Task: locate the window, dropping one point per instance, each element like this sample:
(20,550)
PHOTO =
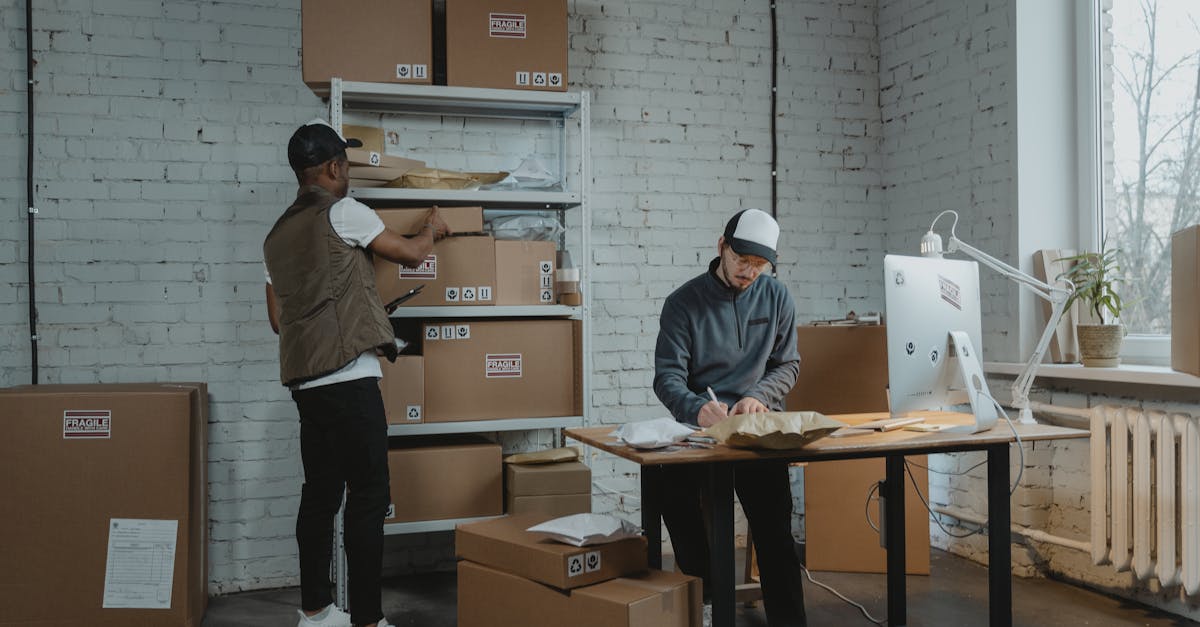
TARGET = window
(1149,92)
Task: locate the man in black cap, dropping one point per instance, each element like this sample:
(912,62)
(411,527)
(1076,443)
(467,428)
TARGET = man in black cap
(727,345)
(322,302)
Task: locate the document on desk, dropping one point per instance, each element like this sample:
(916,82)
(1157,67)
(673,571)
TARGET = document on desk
(140,568)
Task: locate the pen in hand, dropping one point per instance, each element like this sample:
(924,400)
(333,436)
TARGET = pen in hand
(713,395)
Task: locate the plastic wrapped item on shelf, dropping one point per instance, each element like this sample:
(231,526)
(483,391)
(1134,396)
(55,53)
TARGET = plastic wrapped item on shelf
(526,227)
(531,174)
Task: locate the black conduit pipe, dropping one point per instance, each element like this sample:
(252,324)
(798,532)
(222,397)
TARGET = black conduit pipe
(774,146)
(31,212)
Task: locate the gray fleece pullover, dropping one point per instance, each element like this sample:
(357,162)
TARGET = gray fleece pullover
(741,344)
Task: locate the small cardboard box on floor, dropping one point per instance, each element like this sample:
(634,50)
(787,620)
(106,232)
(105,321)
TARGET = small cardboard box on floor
(403,389)
(445,477)
(515,44)
(378,41)
(98,481)
(1185,300)
(488,597)
(551,489)
(488,370)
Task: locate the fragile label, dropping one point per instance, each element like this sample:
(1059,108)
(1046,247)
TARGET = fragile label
(502,366)
(453,295)
(462,332)
(507,25)
(87,424)
(950,292)
(555,79)
(426,270)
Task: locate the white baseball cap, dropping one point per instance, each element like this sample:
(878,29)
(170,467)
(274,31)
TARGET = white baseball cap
(753,232)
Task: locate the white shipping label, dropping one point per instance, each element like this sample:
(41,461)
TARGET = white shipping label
(555,79)
(462,331)
(522,79)
(403,71)
(591,561)
(413,414)
(426,270)
(546,267)
(420,71)
(452,295)
(539,79)
(468,294)
(87,424)
(432,333)
(574,565)
(507,25)
(502,366)
(140,568)
(447,332)
(484,293)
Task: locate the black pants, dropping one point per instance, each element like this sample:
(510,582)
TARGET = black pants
(765,493)
(343,443)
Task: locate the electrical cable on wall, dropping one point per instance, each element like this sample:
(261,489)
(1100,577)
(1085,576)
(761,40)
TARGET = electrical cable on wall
(774,102)
(31,213)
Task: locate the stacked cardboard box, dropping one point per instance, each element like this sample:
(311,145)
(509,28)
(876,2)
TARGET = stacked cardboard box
(460,270)
(551,489)
(101,480)
(509,576)
(380,41)
(1185,300)
(516,44)
(444,478)
(524,272)
(403,388)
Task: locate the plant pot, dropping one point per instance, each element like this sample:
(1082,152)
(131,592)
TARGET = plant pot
(1100,344)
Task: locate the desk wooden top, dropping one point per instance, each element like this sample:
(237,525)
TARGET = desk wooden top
(874,444)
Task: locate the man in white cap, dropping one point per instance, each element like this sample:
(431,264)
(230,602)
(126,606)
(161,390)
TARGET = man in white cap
(733,330)
(322,302)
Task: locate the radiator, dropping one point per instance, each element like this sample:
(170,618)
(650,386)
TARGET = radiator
(1146,494)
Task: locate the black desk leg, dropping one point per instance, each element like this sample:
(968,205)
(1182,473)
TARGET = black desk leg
(652,514)
(999,549)
(720,502)
(893,492)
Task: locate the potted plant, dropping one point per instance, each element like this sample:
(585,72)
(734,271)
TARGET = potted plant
(1095,276)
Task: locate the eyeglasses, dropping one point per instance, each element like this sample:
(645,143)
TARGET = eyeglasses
(749,261)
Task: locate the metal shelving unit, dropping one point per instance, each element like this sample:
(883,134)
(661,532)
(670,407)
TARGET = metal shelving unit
(560,109)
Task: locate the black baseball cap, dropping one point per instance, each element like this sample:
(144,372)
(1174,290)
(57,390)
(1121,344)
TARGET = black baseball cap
(753,232)
(315,143)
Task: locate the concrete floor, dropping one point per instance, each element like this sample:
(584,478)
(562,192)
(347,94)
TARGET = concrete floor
(955,594)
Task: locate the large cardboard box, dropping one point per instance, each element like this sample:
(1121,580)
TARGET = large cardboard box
(460,271)
(524,272)
(78,462)
(488,597)
(1185,300)
(504,543)
(441,478)
(515,44)
(844,370)
(488,370)
(553,505)
(536,479)
(380,41)
(403,389)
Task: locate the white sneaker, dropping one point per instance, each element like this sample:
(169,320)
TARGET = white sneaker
(383,622)
(333,617)
(707,615)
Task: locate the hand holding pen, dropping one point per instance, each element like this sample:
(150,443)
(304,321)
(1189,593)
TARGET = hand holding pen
(712,412)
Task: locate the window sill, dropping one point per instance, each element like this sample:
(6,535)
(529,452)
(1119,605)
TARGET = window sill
(1131,373)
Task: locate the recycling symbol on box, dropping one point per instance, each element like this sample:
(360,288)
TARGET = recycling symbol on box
(574,565)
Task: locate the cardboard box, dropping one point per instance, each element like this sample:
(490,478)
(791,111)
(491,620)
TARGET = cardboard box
(843,370)
(441,478)
(460,271)
(488,597)
(516,44)
(69,457)
(376,161)
(461,220)
(504,543)
(380,41)
(370,136)
(1185,300)
(403,389)
(524,272)
(552,505)
(539,479)
(487,370)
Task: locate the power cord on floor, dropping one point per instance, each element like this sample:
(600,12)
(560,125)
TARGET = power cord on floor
(839,595)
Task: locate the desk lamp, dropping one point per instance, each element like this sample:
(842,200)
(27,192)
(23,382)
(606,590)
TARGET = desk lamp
(931,246)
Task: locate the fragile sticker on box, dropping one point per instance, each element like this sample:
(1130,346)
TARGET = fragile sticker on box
(87,424)
(502,366)
(426,270)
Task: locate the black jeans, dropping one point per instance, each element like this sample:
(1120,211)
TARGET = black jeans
(766,496)
(343,443)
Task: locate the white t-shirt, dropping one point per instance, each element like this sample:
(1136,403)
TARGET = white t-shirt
(357,225)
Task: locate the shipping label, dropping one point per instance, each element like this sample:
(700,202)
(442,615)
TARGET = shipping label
(426,270)
(502,366)
(87,424)
(507,25)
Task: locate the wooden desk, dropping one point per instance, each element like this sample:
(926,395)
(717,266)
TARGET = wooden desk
(892,446)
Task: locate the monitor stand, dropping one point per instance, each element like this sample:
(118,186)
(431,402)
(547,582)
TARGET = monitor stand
(976,385)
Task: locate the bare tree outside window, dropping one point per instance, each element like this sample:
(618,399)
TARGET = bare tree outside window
(1151,83)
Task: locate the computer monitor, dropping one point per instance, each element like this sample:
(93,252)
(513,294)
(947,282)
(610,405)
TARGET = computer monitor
(933,338)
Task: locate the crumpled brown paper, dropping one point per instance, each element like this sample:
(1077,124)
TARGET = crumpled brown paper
(777,430)
(549,456)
